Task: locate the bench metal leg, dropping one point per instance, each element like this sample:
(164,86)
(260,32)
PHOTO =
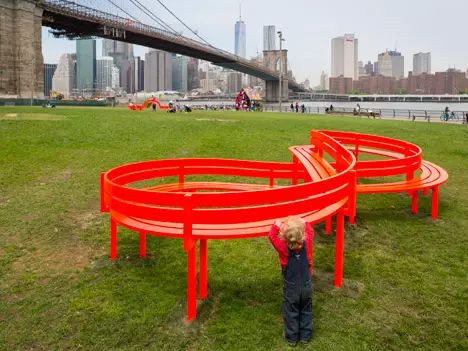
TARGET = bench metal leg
(192,282)
(426,191)
(435,202)
(203,268)
(339,250)
(113,239)
(142,245)
(414,202)
(328,225)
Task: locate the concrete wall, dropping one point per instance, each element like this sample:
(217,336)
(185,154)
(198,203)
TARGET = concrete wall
(21,61)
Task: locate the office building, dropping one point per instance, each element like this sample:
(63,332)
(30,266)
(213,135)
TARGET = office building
(376,68)
(63,80)
(361,69)
(127,76)
(239,38)
(111,47)
(344,54)
(104,67)
(139,74)
(86,66)
(208,84)
(193,76)
(269,38)
(158,71)
(324,83)
(49,70)
(234,82)
(421,63)
(369,69)
(180,73)
(391,64)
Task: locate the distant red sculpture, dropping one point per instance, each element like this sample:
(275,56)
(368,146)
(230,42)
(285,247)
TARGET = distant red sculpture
(148,102)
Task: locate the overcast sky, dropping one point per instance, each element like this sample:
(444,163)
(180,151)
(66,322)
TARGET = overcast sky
(412,26)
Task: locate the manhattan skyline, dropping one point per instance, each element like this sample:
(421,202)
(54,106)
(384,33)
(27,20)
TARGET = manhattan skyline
(310,27)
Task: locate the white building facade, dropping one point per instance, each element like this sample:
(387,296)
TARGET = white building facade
(421,63)
(344,54)
(64,79)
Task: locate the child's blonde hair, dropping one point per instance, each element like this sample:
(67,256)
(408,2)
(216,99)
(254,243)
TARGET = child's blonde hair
(292,231)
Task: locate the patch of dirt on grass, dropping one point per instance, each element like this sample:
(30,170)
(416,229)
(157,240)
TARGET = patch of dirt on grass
(67,259)
(323,282)
(86,219)
(31,117)
(63,175)
(184,151)
(217,120)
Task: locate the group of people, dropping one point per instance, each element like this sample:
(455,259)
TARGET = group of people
(303,108)
(173,108)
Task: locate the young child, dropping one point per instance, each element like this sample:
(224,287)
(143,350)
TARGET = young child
(293,241)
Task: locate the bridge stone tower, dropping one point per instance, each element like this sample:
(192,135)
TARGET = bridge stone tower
(21,61)
(271,60)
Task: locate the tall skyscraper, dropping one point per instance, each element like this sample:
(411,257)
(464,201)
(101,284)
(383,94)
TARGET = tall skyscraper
(179,73)
(421,63)
(193,76)
(64,77)
(345,57)
(158,71)
(86,66)
(269,38)
(104,67)
(110,47)
(239,38)
(128,76)
(234,82)
(139,74)
(391,64)
(49,70)
(369,69)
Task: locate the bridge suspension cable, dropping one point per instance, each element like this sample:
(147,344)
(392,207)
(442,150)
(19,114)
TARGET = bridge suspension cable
(121,9)
(155,18)
(186,26)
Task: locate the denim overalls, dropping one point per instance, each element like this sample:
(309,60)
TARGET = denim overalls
(297,296)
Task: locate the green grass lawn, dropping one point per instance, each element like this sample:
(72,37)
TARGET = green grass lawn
(406,276)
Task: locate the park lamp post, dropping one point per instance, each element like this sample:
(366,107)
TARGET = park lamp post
(280,33)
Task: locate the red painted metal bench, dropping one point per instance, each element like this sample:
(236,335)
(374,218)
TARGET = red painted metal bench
(241,211)
(319,190)
(401,158)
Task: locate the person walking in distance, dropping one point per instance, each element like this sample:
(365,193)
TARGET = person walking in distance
(292,239)
(297,107)
(292,107)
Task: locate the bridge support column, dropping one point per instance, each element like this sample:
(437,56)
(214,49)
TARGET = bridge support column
(21,61)
(272,91)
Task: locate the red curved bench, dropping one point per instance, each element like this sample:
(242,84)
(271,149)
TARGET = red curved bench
(241,211)
(402,158)
(319,190)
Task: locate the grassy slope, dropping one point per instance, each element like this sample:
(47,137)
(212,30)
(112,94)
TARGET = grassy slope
(406,276)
